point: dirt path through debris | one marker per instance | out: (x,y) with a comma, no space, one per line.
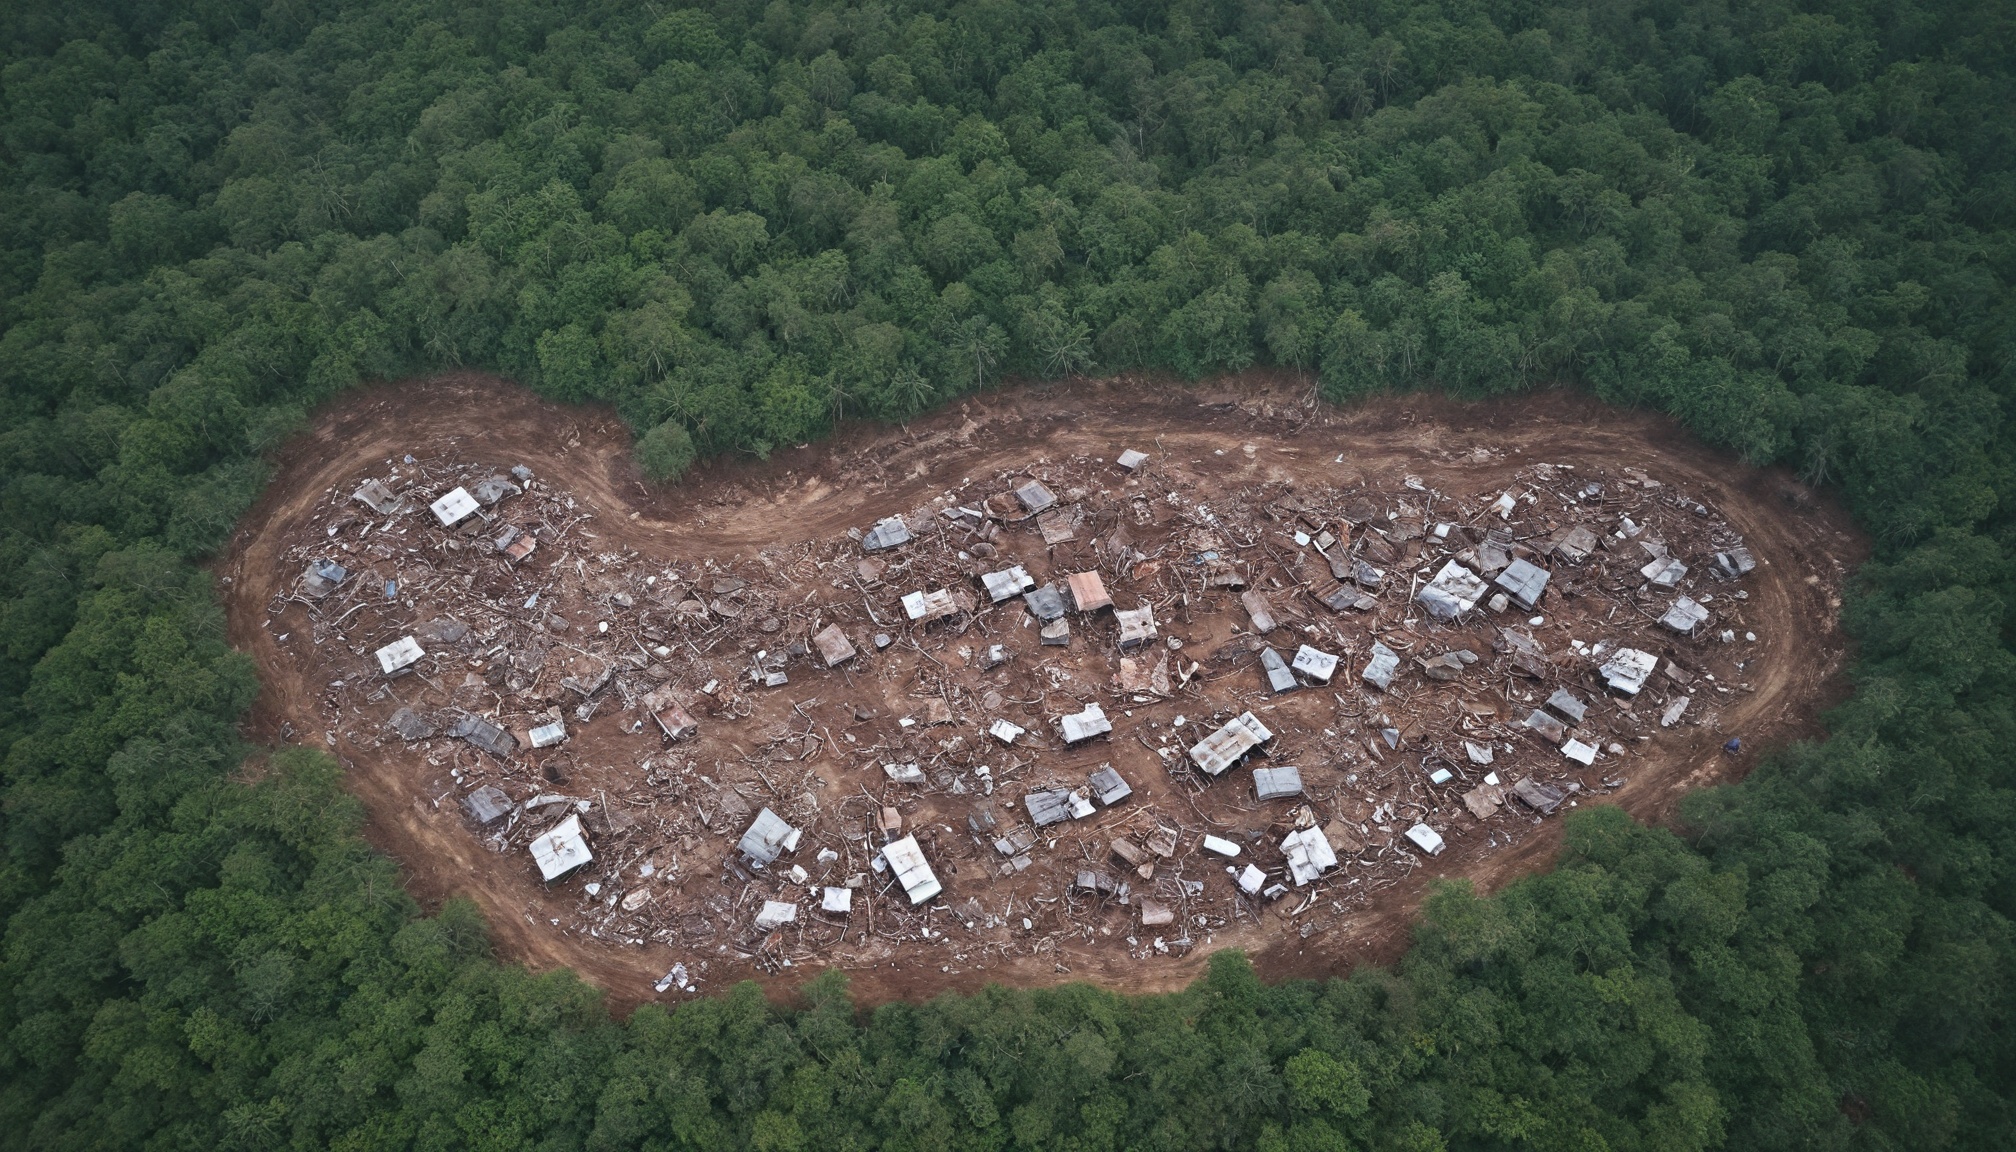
(1246,430)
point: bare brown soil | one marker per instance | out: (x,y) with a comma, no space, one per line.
(1248,462)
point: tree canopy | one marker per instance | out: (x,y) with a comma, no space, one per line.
(1790,224)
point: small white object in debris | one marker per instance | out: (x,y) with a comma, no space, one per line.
(547,735)
(399,654)
(1221,846)
(906,722)
(1440,776)
(1491,778)
(1178,722)
(798,874)
(453,508)
(1537,621)
(602,626)
(1425,838)
(775,914)
(1004,731)
(1301,539)
(1251,879)
(1442,531)
(1750,636)
(661,651)
(1579,752)
(839,901)
(592,888)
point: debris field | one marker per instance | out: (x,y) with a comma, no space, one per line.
(1119,705)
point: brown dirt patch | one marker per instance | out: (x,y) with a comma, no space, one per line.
(774,523)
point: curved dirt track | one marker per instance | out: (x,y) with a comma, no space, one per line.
(868,471)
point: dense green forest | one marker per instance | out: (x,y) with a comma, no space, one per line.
(1793,225)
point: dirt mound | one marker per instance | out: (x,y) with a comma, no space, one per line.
(651,671)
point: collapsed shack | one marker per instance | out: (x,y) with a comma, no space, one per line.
(848,729)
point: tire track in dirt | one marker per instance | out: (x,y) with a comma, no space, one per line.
(1805,545)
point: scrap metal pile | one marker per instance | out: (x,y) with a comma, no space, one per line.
(1089,704)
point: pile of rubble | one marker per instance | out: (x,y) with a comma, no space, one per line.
(1056,704)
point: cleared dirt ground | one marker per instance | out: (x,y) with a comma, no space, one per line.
(1254,451)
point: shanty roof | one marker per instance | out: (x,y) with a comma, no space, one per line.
(1574,543)
(834,647)
(839,901)
(1454,591)
(1088,591)
(1579,752)
(1733,563)
(1315,664)
(483,734)
(1542,798)
(1137,625)
(1259,609)
(906,859)
(1345,596)
(1035,496)
(1086,724)
(410,725)
(547,735)
(1569,705)
(1277,783)
(1007,583)
(322,577)
(1279,678)
(1046,603)
(453,508)
(1384,663)
(886,534)
(1684,616)
(1426,839)
(768,837)
(674,721)
(377,497)
(1664,572)
(1547,726)
(1225,747)
(1628,670)
(1048,806)
(401,653)
(929,606)
(776,914)
(561,849)
(492,489)
(1109,787)
(486,804)
(1309,854)
(1525,581)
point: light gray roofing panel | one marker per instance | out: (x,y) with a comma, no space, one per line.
(1525,581)
(1279,678)
(1567,704)
(1277,783)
